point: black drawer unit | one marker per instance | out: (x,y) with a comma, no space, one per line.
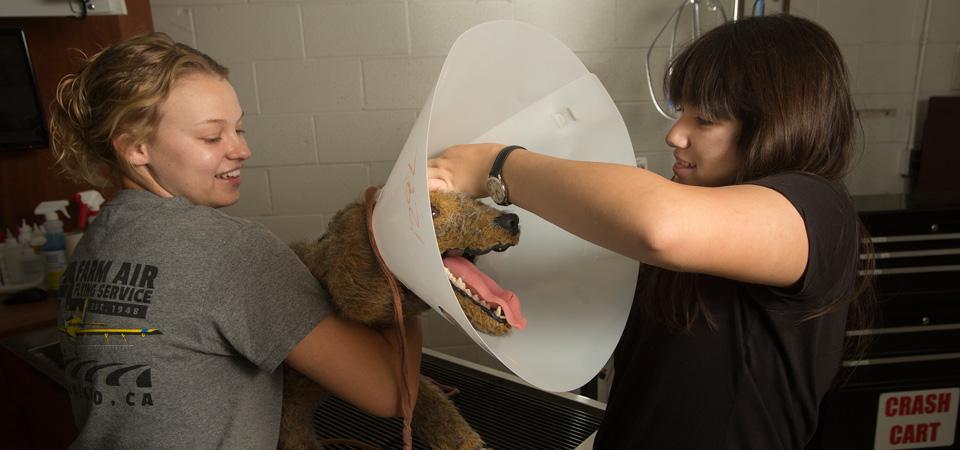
(903,392)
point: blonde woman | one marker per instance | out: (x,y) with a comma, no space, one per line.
(216,303)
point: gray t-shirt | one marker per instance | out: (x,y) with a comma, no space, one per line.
(176,318)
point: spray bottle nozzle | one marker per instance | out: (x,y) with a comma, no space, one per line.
(91,198)
(89,202)
(49,209)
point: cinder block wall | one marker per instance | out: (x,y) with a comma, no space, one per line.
(331,88)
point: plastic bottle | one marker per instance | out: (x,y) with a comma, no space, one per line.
(37,240)
(33,264)
(90,202)
(34,269)
(55,249)
(88,205)
(24,236)
(11,269)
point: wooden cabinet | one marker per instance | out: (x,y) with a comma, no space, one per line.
(34,411)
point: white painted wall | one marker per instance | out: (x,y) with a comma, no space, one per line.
(331,87)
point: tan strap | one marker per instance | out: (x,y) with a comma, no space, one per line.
(405,400)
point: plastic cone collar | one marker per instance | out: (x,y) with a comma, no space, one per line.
(509,82)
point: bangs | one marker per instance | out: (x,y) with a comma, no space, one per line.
(703,76)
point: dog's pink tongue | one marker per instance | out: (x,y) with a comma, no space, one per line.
(487,289)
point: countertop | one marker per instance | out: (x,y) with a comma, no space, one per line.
(21,318)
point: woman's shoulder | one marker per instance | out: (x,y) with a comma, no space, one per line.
(237,232)
(809,192)
(800,180)
(190,224)
(832,231)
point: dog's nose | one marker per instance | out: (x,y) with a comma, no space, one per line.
(509,222)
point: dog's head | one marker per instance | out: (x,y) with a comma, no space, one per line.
(467,229)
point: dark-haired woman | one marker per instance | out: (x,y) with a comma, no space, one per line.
(750,254)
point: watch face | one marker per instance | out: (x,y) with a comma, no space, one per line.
(496,190)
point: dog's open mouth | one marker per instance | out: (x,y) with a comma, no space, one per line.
(500,304)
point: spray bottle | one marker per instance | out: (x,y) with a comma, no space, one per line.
(55,249)
(23,237)
(88,205)
(11,269)
(34,266)
(89,202)
(38,239)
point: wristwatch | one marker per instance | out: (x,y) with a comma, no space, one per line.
(496,188)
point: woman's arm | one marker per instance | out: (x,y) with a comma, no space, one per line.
(744,232)
(359,364)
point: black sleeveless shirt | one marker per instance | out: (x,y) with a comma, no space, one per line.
(756,380)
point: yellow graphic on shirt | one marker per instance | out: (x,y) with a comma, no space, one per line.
(76,326)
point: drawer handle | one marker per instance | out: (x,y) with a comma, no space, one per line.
(901,330)
(914,237)
(903,270)
(900,359)
(911,253)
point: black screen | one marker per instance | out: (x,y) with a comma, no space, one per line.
(21,120)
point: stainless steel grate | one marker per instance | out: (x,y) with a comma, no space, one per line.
(506,414)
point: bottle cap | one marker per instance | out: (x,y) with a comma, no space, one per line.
(25,233)
(39,236)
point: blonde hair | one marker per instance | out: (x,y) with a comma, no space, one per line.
(118,90)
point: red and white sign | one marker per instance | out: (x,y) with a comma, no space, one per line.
(916,419)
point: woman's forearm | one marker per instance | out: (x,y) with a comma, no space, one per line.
(743,232)
(621,208)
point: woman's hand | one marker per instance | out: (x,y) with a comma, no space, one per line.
(462,168)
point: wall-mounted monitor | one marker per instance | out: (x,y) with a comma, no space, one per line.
(62,8)
(22,125)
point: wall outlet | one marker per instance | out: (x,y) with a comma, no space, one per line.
(642,162)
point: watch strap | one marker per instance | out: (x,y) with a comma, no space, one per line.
(501,159)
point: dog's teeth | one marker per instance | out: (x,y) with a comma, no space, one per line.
(457,281)
(499,311)
(467,290)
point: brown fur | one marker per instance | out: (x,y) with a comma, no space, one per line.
(345,265)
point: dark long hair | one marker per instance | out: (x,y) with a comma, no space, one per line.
(784,79)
